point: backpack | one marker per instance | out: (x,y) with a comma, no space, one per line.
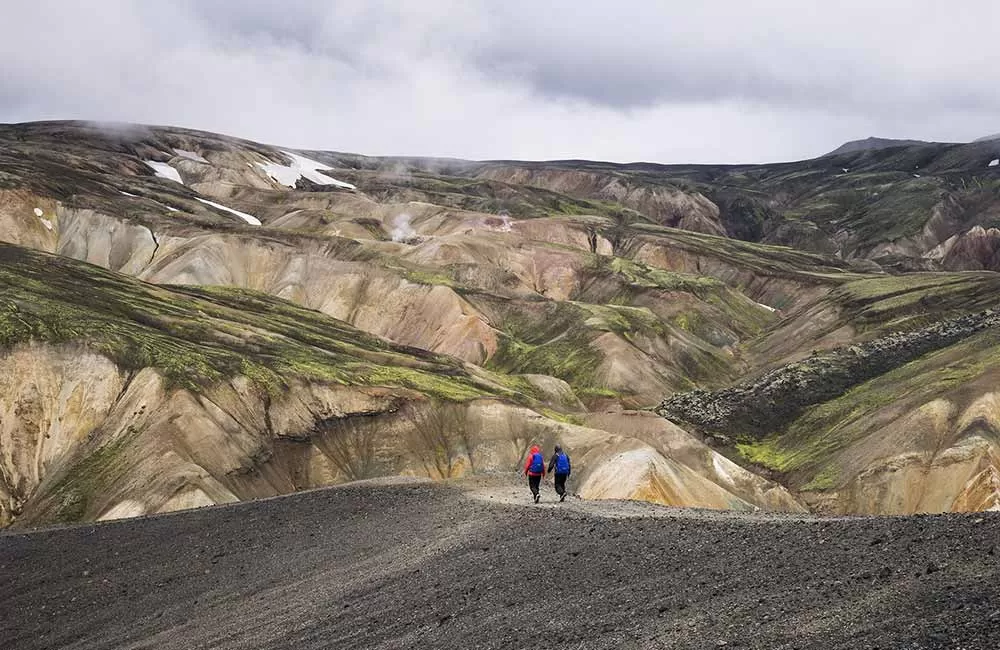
(562,464)
(537,464)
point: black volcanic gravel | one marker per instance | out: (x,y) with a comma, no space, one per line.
(426,566)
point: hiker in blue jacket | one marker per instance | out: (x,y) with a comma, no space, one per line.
(559,466)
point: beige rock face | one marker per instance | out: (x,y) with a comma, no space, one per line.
(105,241)
(108,445)
(85,440)
(660,462)
(937,458)
(643,474)
(433,317)
(28,220)
(87,235)
(962,478)
(51,401)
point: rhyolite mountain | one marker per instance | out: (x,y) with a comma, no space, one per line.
(188,318)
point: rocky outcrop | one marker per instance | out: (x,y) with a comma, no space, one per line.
(766,404)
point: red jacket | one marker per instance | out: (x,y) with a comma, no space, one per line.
(527,462)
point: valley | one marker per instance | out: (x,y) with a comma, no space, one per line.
(191,319)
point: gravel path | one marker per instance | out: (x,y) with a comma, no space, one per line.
(425,565)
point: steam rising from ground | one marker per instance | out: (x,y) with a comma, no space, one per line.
(505,221)
(402,231)
(397,172)
(500,223)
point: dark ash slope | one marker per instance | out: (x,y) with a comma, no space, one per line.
(426,566)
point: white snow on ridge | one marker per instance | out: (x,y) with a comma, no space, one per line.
(994,162)
(134,196)
(191,155)
(250,219)
(45,222)
(163,170)
(309,169)
(284,175)
(301,167)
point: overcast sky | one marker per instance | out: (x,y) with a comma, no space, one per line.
(627,80)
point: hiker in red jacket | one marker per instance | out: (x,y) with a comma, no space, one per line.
(534,469)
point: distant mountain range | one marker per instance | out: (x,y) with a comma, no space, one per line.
(873,143)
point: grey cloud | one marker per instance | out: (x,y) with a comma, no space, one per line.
(855,56)
(673,82)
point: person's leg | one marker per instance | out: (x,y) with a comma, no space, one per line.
(533,482)
(561,486)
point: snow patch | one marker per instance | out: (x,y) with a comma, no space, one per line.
(994,162)
(171,209)
(301,167)
(45,222)
(191,155)
(134,196)
(767,307)
(250,219)
(844,169)
(163,170)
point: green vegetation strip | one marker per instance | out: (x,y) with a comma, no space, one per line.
(199,336)
(809,444)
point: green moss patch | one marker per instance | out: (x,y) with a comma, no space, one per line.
(73,495)
(196,336)
(885,303)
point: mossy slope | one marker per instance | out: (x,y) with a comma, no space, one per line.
(197,336)
(813,452)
